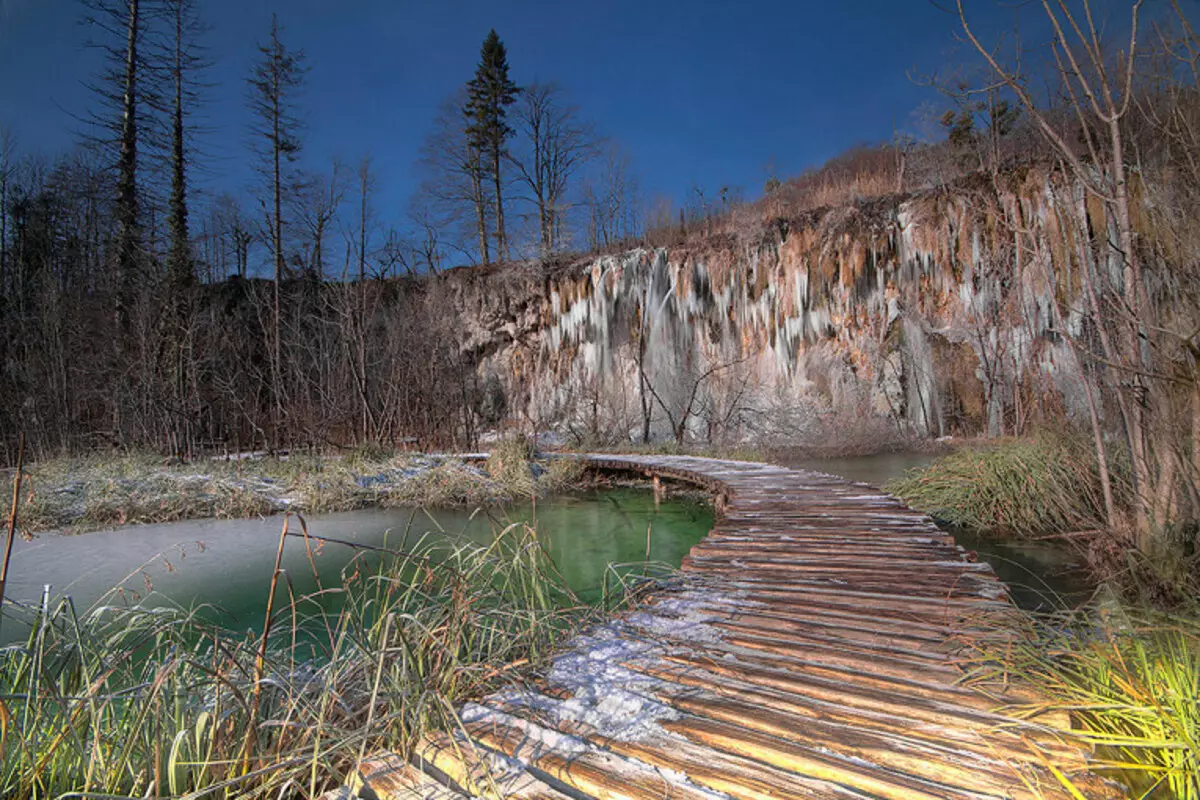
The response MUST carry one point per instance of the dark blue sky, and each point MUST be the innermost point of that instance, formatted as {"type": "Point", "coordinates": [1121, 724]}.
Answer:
{"type": "Point", "coordinates": [704, 91]}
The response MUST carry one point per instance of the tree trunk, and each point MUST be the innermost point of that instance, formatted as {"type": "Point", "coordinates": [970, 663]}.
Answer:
{"type": "Point", "coordinates": [180, 258]}
{"type": "Point", "coordinates": [127, 207]}
{"type": "Point", "coordinates": [501, 238]}
{"type": "Point", "coordinates": [362, 306]}
{"type": "Point", "coordinates": [1110, 510]}
{"type": "Point", "coordinates": [1135, 298]}
{"type": "Point", "coordinates": [277, 243]}
{"type": "Point", "coordinates": [3, 224]}
{"type": "Point", "coordinates": [127, 202]}
{"type": "Point", "coordinates": [480, 208]}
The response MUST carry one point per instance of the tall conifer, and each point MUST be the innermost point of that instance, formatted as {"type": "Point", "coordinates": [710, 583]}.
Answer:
{"type": "Point", "coordinates": [488, 94]}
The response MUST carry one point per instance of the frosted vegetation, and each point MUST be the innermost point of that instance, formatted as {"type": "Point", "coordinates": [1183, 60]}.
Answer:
{"type": "Point", "coordinates": [84, 494]}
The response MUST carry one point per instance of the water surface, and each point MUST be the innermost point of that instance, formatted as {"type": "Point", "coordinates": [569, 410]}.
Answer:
{"type": "Point", "coordinates": [228, 563]}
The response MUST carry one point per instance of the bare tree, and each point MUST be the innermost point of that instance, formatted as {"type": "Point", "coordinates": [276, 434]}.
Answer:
{"type": "Point", "coordinates": [316, 202]}
{"type": "Point", "coordinates": [454, 195]}
{"type": "Point", "coordinates": [228, 235]}
{"type": "Point", "coordinates": [118, 29]}
{"type": "Point", "coordinates": [7, 151]}
{"type": "Point", "coordinates": [1090, 142]}
{"type": "Point", "coordinates": [610, 198]}
{"type": "Point", "coordinates": [364, 308]}
{"type": "Point", "coordinates": [186, 61]}
{"type": "Point", "coordinates": [426, 241]}
{"type": "Point", "coordinates": [366, 212]}
{"type": "Point", "coordinates": [276, 78]}
{"type": "Point", "coordinates": [554, 146]}
{"type": "Point", "coordinates": [688, 396]}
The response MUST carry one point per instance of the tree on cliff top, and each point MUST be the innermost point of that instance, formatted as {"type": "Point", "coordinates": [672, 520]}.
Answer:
{"type": "Point", "coordinates": [488, 95]}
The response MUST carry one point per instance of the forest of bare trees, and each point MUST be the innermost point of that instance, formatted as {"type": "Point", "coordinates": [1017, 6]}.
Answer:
{"type": "Point", "coordinates": [136, 311]}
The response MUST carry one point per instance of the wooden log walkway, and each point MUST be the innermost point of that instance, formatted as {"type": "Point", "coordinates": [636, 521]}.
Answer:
{"type": "Point", "coordinates": [812, 648]}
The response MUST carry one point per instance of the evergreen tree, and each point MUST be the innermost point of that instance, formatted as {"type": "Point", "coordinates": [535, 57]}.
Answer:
{"type": "Point", "coordinates": [488, 94]}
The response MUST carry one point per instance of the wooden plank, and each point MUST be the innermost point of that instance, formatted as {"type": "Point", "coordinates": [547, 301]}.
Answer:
{"type": "Point", "coordinates": [389, 777]}
{"type": "Point", "coordinates": [597, 773]}
{"type": "Point", "coordinates": [476, 771]}
{"type": "Point", "coordinates": [740, 778]}
{"type": "Point", "coordinates": [813, 763]}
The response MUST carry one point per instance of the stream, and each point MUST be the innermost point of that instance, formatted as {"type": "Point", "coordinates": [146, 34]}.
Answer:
{"type": "Point", "coordinates": [1042, 575]}
{"type": "Point", "coordinates": [227, 563]}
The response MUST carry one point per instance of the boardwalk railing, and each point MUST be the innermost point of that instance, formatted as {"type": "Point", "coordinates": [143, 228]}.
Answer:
{"type": "Point", "coordinates": [813, 650]}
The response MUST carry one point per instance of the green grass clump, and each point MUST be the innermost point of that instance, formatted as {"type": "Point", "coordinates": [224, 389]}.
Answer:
{"type": "Point", "coordinates": [134, 702]}
{"type": "Point", "coordinates": [1041, 485]}
{"type": "Point", "coordinates": [1130, 682]}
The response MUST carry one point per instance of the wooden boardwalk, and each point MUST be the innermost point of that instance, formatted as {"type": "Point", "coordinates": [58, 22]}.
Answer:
{"type": "Point", "coordinates": [810, 649]}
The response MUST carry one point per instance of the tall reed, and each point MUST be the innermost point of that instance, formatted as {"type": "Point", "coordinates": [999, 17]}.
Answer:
{"type": "Point", "coordinates": [1130, 681]}
{"type": "Point", "coordinates": [1045, 484]}
{"type": "Point", "coordinates": [133, 701]}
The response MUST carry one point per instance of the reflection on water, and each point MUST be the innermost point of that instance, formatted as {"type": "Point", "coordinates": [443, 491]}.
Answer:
{"type": "Point", "coordinates": [227, 563]}
{"type": "Point", "coordinates": [1041, 575]}
{"type": "Point", "coordinates": [873, 470]}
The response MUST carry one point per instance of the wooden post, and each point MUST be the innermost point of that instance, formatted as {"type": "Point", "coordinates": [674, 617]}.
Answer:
{"type": "Point", "coordinates": [659, 491]}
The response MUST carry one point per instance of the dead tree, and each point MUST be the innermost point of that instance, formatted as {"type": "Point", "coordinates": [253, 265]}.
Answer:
{"type": "Point", "coordinates": [1090, 141]}
{"type": "Point", "coordinates": [274, 82]}
{"type": "Point", "coordinates": [554, 146]}
{"type": "Point", "coordinates": [454, 196]}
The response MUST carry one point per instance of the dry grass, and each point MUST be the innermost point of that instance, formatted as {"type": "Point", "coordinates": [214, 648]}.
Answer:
{"type": "Point", "coordinates": [89, 493]}
{"type": "Point", "coordinates": [82, 494]}
{"type": "Point", "coordinates": [1039, 486]}
{"type": "Point", "coordinates": [133, 702]}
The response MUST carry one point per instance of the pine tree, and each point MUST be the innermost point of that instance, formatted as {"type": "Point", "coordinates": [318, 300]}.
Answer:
{"type": "Point", "coordinates": [488, 94]}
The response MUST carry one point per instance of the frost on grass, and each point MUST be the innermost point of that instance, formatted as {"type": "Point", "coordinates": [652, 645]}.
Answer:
{"type": "Point", "coordinates": [86, 494]}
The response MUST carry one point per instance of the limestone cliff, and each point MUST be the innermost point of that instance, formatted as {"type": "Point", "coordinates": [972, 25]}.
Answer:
{"type": "Point", "coordinates": [940, 312]}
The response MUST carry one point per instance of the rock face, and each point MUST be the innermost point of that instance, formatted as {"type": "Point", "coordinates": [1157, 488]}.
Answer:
{"type": "Point", "coordinates": [934, 314]}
